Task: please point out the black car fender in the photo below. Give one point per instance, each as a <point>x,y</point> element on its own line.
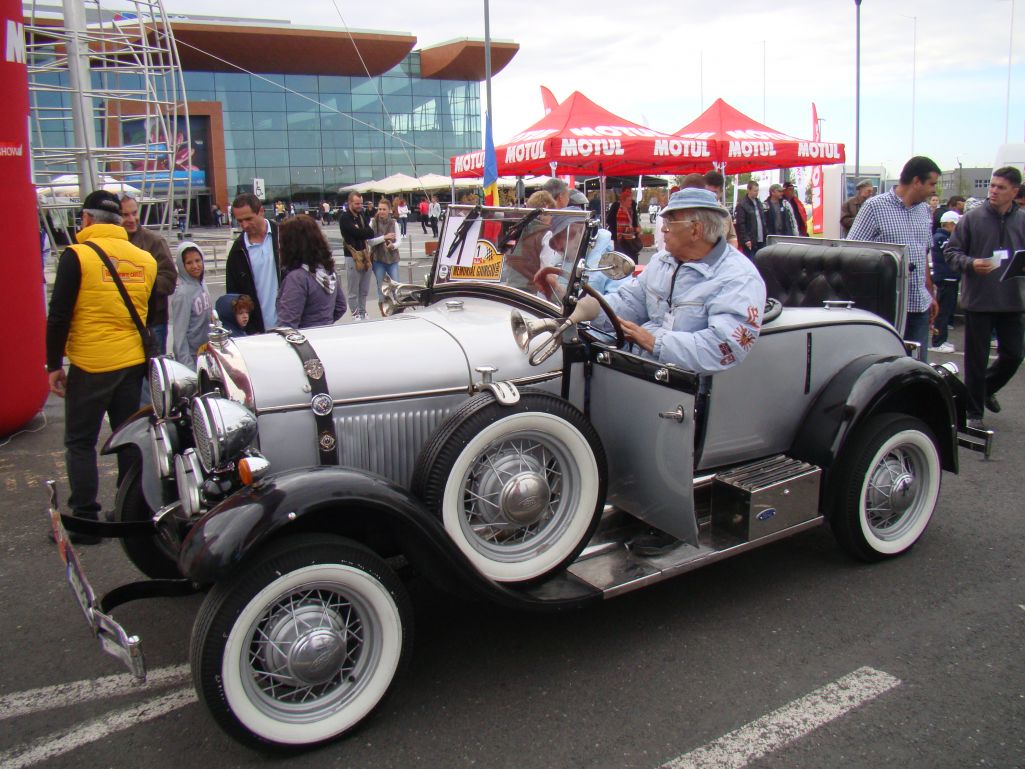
<point>359,505</point>
<point>870,385</point>
<point>137,431</point>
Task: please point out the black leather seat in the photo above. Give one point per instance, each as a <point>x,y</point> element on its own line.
<point>800,275</point>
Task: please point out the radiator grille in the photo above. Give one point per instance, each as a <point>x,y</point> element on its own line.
<point>387,443</point>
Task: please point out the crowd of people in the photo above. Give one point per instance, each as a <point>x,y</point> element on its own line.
<point>282,273</point>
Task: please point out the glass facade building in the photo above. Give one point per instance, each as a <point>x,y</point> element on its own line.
<point>308,135</point>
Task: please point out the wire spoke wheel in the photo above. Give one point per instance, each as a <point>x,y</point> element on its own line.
<point>518,488</point>
<point>888,486</point>
<point>302,645</point>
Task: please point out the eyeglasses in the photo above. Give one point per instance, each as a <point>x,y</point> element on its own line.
<point>667,222</point>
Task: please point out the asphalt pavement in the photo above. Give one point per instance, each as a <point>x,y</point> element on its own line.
<point>742,663</point>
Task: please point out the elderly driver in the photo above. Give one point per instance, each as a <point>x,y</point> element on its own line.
<point>698,304</point>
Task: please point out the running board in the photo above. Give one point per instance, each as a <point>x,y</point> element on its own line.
<point>617,571</point>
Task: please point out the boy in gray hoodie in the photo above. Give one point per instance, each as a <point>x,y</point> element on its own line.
<point>190,305</point>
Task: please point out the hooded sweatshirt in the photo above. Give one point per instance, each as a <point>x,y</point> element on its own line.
<point>190,311</point>
<point>309,298</point>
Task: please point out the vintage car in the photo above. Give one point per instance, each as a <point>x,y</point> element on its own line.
<point>487,437</point>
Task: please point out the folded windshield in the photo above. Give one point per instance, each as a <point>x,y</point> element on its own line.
<point>532,250</point>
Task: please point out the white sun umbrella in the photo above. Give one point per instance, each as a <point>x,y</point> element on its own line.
<point>435,182</point>
<point>64,189</point>
<point>395,183</point>
<point>360,187</point>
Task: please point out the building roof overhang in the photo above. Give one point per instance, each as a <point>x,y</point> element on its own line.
<point>464,59</point>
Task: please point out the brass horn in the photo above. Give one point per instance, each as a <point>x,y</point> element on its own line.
<point>398,295</point>
<point>524,331</point>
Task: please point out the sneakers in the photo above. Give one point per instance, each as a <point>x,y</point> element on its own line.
<point>946,347</point>
<point>993,404</point>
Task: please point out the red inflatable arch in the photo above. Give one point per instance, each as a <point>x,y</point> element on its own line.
<point>23,382</point>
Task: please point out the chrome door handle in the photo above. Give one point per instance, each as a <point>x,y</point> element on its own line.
<point>679,415</point>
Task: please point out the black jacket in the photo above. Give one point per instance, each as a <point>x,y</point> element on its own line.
<point>747,215</point>
<point>978,234</point>
<point>355,230</point>
<point>238,275</point>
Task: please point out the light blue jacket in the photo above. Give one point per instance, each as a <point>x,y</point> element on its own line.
<point>717,305</point>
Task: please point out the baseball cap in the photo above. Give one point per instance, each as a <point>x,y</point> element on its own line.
<point>101,200</point>
<point>788,184</point>
<point>950,216</point>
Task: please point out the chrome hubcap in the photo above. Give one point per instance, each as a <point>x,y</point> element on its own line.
<point>893,490</point>
<point>524,498</point>
<point>307,645</point>
<point>513,491</point>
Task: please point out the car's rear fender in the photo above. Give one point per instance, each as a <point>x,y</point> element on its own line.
<point>872,385</point>
<point>359,505</point>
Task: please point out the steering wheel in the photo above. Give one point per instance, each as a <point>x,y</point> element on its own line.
<point>773,308</point>
<point>610,314</point>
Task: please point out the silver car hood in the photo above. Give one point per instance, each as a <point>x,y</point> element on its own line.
<point>421,351</point>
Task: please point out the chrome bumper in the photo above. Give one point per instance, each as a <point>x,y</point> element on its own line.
<point>113,638</point>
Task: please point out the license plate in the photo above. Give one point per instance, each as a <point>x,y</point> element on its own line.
<point>112,637</point>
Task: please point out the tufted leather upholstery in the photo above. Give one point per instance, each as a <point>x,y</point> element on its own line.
<point>800,275</point>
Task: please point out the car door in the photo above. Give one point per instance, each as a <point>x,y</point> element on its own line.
<point>644,413</point>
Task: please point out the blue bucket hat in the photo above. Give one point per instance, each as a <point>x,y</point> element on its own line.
<point>693,197</point>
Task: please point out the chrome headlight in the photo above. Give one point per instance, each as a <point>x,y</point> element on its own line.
<point>221,429</point>
<point>171,384</point>
<point>189,476</point>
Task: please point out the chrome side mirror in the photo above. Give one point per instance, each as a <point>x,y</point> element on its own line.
<point>615,265</point>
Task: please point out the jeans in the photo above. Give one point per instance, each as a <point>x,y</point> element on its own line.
<point>946,296</point>
<point>380,270</point>
<point>917,330</point>
<point>434,225</point>
<point>357,287</point>
<point>980,380</point>
<point>402,225</point>
<point>88,398</point>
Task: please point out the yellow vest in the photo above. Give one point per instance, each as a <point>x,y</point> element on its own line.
<point>103,336</point>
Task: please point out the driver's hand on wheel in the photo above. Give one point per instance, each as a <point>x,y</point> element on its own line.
<point>638,335</point>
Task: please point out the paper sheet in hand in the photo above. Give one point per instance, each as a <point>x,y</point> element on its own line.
<point>463,257</point>
<point>1015,267</point>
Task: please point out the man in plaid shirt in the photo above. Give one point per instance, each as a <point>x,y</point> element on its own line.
<point>902,216</point>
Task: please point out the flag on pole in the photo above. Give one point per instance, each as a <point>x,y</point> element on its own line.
<point>548,100</point>
<point>490,181</point>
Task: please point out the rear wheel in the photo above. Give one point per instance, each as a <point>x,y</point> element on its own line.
<point>887,487</point>
<point>302,644</point>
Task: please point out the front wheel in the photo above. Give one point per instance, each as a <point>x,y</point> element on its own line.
<point>302,644</point>
<point>887,487</point>
<point>151,555</point>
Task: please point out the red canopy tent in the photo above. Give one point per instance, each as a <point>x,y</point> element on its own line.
<point>744,144</point>
<point>581,137</point>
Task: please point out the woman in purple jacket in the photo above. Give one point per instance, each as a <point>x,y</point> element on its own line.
<point>309,294</point>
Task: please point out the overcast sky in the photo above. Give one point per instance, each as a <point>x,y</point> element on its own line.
<point>646,65</point>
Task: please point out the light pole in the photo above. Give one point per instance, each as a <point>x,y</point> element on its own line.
<point>914,72</point>
<point>1010,54</point>
<point>857,88</point>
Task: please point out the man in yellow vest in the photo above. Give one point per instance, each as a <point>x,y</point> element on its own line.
<point>89,321</point>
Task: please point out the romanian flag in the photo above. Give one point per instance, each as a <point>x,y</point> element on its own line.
<point>490,165</point>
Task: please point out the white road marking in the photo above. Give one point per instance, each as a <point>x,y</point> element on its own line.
<point>63,695</point>
<point>55,745</point>
<point>789,723</point>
